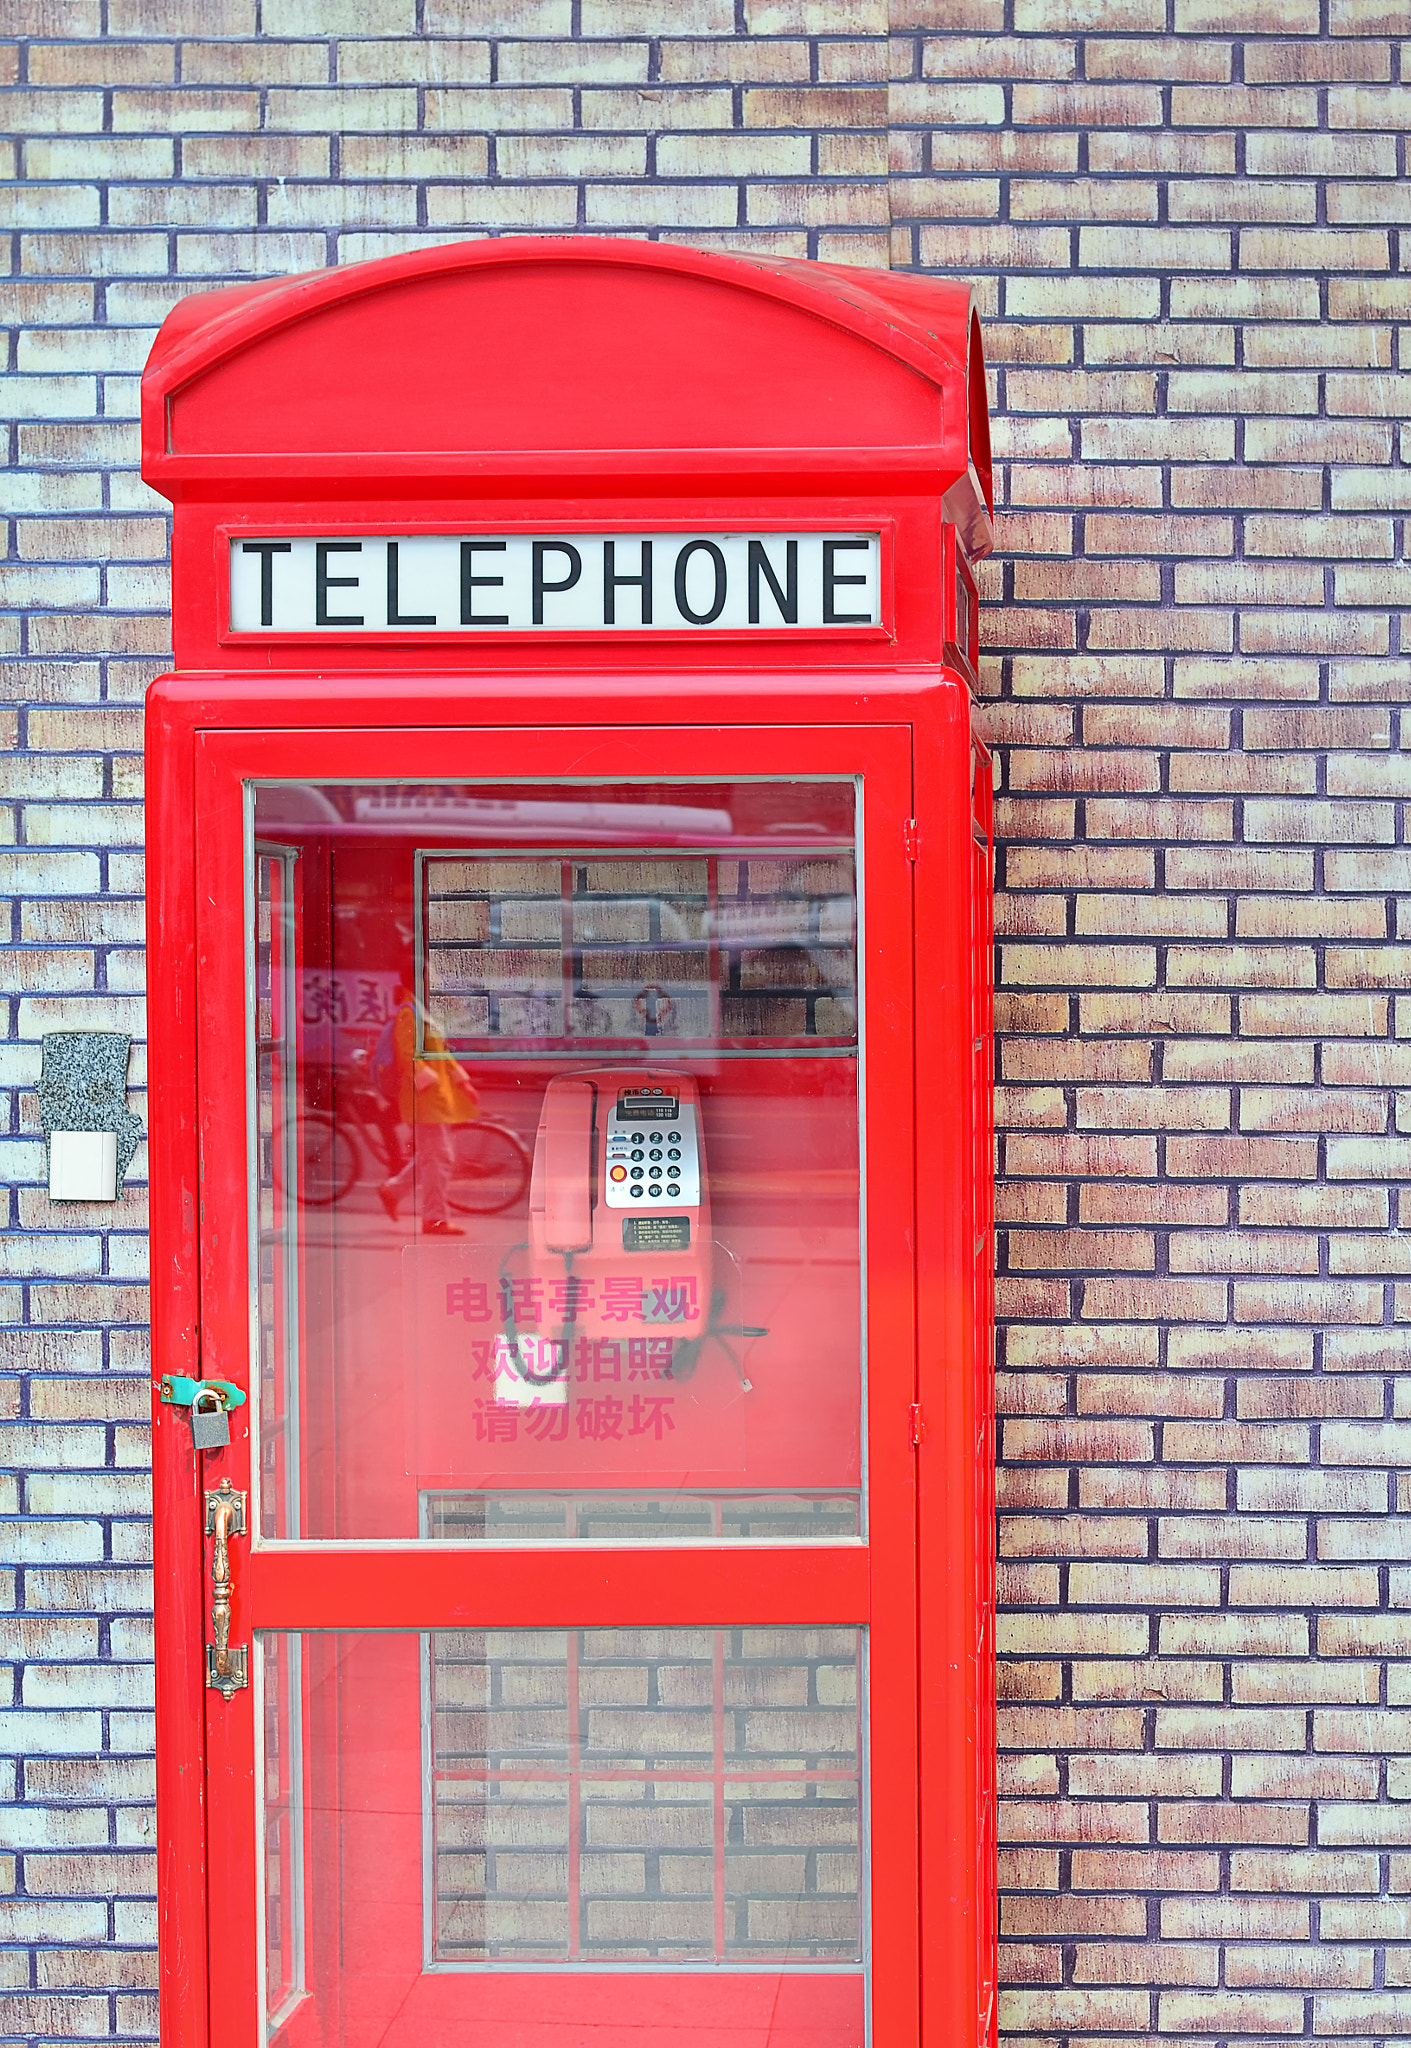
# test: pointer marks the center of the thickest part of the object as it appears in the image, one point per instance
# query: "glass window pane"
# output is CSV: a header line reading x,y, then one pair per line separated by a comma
x,y
556,1182
283,1823
561,1801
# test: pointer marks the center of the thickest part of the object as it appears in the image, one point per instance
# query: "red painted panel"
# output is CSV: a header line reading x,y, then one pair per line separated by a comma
x,y
350,1587
558,356
594,344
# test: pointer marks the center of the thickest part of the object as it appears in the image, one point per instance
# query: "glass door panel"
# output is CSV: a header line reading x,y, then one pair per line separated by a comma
x,y
571,1168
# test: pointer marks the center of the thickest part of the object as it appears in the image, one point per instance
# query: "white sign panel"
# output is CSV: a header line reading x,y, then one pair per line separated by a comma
x,y
432,582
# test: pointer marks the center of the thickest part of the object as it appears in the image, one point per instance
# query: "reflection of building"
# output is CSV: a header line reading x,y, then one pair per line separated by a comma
x,y
750,950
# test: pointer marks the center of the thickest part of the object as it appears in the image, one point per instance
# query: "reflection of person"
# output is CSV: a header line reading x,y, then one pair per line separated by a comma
x,y
433,1092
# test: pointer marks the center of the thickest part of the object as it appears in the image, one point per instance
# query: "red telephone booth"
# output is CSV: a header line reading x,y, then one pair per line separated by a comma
x,y
571,1157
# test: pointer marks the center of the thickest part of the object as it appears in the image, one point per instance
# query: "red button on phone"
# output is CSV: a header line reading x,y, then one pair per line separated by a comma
x,y
617,1173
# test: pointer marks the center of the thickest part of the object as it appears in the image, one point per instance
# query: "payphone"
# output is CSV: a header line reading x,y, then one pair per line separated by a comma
x,y
571,1157
619,1209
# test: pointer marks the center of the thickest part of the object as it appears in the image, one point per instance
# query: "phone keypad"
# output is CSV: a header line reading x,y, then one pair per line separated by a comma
x,y
652,1164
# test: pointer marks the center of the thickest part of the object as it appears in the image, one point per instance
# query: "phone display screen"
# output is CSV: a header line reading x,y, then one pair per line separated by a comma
x,y
637,1106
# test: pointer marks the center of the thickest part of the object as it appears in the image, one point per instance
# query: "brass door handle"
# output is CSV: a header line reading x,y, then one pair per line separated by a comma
x,y
227,1669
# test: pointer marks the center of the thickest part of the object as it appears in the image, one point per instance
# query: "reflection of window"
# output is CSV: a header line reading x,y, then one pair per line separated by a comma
x,y
754,951
646,1796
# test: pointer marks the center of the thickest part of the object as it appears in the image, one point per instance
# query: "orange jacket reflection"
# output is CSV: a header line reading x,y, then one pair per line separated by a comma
x,y
432,1090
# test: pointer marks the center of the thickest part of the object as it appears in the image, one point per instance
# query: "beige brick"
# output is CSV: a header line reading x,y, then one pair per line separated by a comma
x,y
1061,1439
1236,1918
1087,106
1198,1059
1229,2012
1320,1397
1072,1535
1077,1345
1086,1250
1060,1635
1111,1584
1236,868
1183,1109
1240,1157
1233,1821
1337,347
1163,57
993,149
1340,1684
1311,1870
1311,1207
1129,1393
1217,199
181,17
1143,1203
1002,57
1197,485
1224,1536
1037,1915
1364,1635
1132,1487
1145,1963
1027,2010
1153,1869
1159,1300
1161,820
1291,1109
1242,1252
1081,298
1270,917
1365,1350
1302,1301
1164,152
1176,1011
254,64
1241,967
1069,1820
1271,1490
1120,966
1305,1016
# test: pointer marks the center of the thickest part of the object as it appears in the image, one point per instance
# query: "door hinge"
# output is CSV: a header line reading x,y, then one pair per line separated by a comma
x,y
911,838
918,1426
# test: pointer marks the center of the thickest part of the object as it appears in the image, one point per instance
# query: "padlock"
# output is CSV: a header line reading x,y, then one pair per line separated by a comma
x,y
210,1425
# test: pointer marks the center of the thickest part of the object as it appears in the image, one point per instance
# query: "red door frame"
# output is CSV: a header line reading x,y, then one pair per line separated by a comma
x,y
953,1287
354,1587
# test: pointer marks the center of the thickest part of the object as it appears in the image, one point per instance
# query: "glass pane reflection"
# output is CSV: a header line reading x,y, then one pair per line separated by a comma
x,y
556,1171
658,1795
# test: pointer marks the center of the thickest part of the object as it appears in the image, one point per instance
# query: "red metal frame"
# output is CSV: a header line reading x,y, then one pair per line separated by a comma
x,y
751,704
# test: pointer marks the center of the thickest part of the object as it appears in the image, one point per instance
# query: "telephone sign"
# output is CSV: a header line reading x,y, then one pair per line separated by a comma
x,y
447,582
570,876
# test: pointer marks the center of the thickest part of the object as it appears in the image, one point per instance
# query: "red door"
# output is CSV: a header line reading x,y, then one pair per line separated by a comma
x,y
558,1211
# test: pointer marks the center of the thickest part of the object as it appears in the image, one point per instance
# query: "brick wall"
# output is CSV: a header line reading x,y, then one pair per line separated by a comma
x,y
1190,250
1191,254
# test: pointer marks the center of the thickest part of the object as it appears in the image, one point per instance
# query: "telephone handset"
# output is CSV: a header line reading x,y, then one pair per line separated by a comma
x,y
619,1167
566,1131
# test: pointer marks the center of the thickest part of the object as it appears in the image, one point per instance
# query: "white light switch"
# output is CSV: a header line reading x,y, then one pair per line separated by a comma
x,y
83,1166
